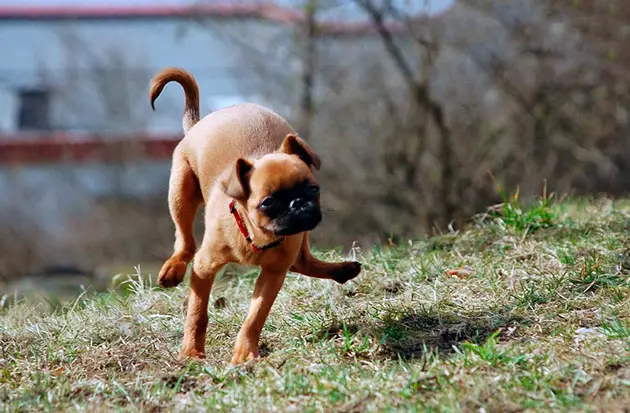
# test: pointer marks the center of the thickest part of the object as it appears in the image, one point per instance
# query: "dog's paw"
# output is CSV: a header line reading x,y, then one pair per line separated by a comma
x,y
191,353
242,356
245,349
345,273
172,273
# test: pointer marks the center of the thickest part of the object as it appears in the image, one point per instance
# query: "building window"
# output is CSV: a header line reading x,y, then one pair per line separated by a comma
x,y
34,109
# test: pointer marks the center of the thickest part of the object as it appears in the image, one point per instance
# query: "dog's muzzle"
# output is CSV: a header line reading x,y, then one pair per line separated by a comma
x,y
303,216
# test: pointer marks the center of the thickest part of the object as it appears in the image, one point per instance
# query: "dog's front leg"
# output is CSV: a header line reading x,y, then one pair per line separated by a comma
x,y
266,290
310,266
196,324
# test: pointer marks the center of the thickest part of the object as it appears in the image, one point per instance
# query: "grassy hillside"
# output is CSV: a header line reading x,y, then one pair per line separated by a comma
x,y
526,309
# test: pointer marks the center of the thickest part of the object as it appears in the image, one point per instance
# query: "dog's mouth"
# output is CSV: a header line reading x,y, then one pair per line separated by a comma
x,y
305,221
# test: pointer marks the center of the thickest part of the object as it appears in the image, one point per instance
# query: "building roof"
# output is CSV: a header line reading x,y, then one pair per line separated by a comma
x,y
262,11
269,11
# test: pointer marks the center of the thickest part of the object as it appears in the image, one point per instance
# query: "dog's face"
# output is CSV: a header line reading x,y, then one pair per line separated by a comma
x,y
279,190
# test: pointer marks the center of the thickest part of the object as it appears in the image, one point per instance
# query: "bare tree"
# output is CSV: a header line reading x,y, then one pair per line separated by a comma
x,y
430,110
554,81
308,67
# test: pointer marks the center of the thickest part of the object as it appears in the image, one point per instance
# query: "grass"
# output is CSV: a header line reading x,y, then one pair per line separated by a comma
x,y
536,317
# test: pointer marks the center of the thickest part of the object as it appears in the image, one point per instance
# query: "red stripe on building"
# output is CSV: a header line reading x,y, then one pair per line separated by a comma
x,y
92,149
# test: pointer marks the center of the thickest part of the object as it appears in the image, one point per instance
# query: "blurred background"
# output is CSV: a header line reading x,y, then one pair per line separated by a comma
x,y
421,110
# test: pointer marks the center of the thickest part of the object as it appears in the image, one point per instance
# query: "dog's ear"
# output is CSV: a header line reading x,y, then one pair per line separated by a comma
x,y
294,145
236,184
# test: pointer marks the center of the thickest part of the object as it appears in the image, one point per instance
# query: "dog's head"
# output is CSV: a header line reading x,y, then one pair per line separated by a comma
x,y
279,190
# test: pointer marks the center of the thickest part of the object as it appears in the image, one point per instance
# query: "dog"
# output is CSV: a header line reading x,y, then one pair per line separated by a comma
x,y
255,176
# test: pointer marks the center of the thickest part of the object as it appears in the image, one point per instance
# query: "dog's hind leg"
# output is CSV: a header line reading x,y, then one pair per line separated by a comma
x,y
312,267
184,197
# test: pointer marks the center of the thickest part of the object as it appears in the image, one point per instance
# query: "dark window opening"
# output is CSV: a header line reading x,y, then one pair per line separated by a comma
x,y
34,110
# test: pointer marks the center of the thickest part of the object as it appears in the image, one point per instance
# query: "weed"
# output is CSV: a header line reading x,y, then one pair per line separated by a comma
x,y
511,213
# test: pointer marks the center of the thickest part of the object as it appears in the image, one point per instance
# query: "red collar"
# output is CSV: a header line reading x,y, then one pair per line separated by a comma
x,y
243,229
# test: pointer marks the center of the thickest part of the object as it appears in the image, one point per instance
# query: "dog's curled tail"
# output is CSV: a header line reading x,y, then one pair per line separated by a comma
x,y
191,90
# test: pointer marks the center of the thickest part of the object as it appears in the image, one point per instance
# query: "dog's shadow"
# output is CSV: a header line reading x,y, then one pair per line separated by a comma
x,y
414,334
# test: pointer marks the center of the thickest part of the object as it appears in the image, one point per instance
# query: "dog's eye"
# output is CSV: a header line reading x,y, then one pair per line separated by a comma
x,y
312,190
268,202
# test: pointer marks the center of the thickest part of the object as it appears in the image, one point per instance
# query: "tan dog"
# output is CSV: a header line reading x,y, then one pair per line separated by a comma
x,y
254,175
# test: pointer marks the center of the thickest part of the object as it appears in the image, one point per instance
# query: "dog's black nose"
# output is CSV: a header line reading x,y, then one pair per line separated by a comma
x,y
297,203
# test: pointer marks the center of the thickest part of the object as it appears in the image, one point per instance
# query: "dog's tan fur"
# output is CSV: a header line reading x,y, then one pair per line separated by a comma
x,y
243,152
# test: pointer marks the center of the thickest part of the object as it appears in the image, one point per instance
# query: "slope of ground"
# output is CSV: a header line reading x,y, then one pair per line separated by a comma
x,y
527,309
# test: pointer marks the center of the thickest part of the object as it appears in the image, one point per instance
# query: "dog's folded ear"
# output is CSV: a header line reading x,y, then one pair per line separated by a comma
x,y
236,183
294,145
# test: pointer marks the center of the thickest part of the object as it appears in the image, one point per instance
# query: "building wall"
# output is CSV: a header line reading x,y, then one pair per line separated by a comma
x,y
49,193
99,70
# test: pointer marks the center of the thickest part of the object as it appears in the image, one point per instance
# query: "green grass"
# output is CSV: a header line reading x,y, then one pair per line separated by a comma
x,y
540,321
